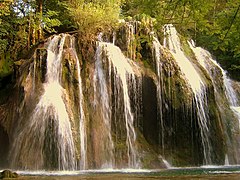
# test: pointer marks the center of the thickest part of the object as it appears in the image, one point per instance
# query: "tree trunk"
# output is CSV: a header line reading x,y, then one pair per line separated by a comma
x,y
40,11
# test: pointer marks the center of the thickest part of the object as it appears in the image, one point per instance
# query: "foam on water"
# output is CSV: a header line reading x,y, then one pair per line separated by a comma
x,y
82,172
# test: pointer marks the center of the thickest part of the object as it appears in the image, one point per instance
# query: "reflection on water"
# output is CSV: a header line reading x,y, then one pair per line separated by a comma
x,y
205,172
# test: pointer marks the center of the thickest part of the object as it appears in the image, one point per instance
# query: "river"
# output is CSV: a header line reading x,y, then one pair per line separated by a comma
x,y
205,172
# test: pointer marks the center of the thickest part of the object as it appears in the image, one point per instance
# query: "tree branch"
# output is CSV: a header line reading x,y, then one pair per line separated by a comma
x,y
234,17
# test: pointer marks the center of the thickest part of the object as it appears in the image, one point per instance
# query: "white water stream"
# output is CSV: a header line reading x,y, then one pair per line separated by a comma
x,y
122,71
196,84
101,93
157,46
204,57
48,122
82,126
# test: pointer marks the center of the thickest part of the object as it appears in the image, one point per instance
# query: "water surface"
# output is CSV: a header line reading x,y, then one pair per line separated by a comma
x,y
208,172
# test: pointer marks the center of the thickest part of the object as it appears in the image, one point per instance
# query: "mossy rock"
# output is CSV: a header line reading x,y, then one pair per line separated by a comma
x,y
6,174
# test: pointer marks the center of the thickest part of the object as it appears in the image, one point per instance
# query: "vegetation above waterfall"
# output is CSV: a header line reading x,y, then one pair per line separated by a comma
x,y
24,23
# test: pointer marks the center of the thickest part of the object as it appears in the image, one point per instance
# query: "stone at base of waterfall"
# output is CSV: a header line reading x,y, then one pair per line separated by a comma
x,y
8,174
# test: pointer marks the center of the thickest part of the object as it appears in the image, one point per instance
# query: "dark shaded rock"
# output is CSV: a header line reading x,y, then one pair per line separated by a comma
x,y
8,174
4,144
150,124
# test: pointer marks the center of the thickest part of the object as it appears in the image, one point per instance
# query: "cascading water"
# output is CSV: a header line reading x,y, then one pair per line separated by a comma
x,y
121,70
206,60
125,113
82,126
197,86
101,95
157,45
114,38
46,139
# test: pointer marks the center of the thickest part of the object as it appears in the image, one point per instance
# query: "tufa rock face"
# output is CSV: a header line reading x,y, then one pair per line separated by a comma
x,y
164,110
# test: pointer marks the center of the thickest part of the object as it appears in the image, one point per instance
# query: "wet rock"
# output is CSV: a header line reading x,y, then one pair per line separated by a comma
x,y
8,174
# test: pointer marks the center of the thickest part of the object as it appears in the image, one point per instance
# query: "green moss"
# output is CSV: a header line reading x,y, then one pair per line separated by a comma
x,y
180,157
148,153
6,66
174,87
120,145
146,64
186,49
190,54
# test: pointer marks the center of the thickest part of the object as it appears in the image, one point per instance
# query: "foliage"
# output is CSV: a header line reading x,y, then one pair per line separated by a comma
x,y
4,10
13,37
21,24
6,66
135,7
57,16
221,36
214,24
50,22
93,16
4,25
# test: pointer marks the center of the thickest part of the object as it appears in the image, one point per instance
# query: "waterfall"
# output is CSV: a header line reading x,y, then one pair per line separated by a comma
x,y
204,57
206,60
101,95
114,37
226,161
82,127
46,139
197,85
167,108
122,72
157,46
